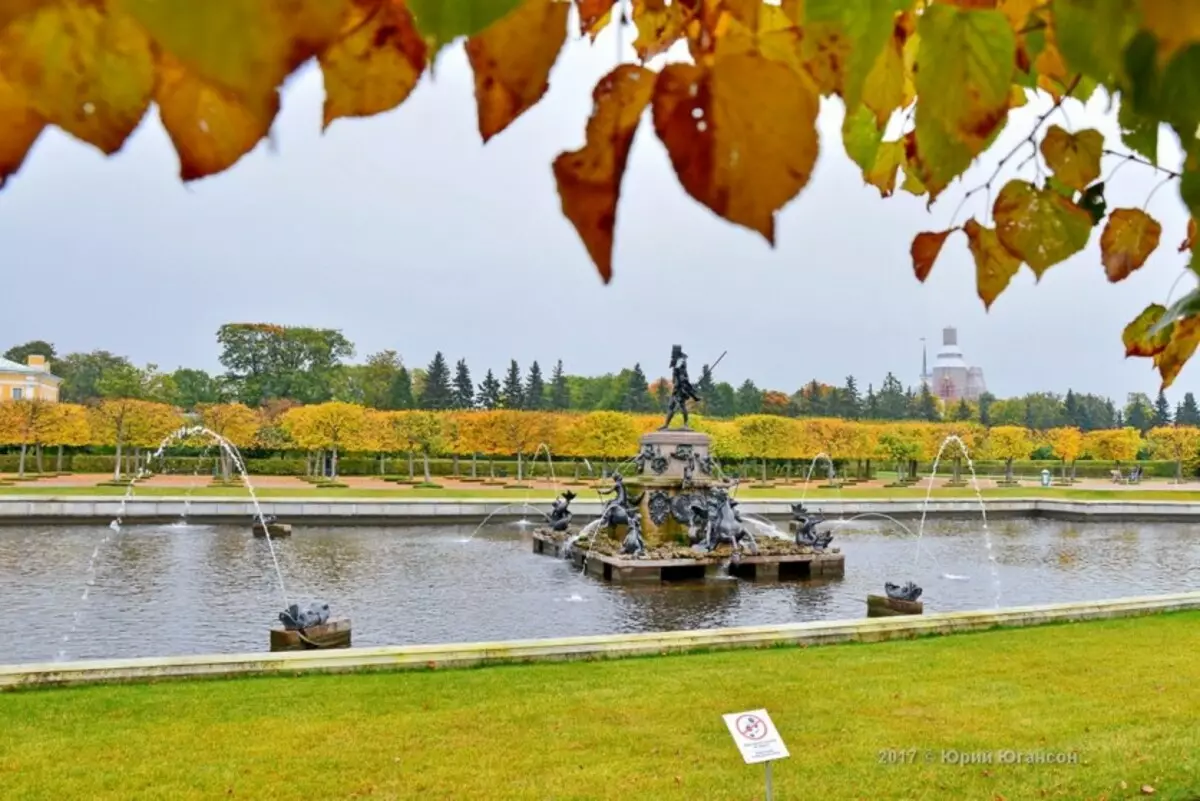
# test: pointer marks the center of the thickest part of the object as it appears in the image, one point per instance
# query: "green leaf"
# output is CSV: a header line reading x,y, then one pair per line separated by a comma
x,y
1187,306
1092,35
1040,227
1059,187
443,21
1148,333
861,136
1139,133
1179,94
964,66
867,25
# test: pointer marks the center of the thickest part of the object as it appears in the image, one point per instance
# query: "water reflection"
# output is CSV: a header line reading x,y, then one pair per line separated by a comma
x,y
178,589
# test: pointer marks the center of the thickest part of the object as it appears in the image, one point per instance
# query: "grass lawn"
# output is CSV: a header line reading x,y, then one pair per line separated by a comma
x,y
1122,694
586,493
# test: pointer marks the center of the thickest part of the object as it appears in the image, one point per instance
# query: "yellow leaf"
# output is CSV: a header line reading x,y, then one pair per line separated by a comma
x,y
1185,335
1017,11
1174,24
210,127
589,179
87,72
717,32
19,129
376,66
883,91
1129,237
1186,244
882,174
11,9
994,266
659,26
1137,337
1016,97
709,120
1038,226
925,249
594,15
247,48
1074,158
512,61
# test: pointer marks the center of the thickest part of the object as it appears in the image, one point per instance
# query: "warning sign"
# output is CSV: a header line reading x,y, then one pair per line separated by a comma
x,y
756,736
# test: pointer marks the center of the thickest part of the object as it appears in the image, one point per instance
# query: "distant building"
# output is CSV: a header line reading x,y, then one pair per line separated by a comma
x,y
951,379
28,381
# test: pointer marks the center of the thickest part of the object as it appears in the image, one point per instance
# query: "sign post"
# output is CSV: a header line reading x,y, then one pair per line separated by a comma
x,y
757,738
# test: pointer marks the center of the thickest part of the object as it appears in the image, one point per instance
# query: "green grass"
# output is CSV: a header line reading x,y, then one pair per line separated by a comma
x,y
1119,693
501,492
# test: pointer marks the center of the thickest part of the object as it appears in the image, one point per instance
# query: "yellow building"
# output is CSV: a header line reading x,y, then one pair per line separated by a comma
x,y
28,381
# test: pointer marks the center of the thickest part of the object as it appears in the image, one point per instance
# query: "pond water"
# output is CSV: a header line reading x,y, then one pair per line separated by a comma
x,y
191,589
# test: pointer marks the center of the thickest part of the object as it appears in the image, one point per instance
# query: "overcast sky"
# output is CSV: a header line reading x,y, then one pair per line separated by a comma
x,y
403,231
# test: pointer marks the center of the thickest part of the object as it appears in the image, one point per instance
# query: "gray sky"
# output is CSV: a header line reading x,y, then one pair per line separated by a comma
x,y
406,233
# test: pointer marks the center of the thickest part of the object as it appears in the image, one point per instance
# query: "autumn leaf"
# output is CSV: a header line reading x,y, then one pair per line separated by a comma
x,y
1074,158
512,61
925,249
659,26
210,127
1175,26
994,265
589,179
766,30
888,85
20,127
1186,244
1185,335
88,72
247,48
593,16
1039,226
846,42
724,157
1139,336
878,160
1129,237
1093,36
376,66
443,21
1138,132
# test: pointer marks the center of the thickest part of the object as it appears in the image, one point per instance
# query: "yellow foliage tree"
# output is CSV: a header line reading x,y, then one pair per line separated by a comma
x,y
419,432
608,435
765,436
335,427
69,428
1113,444
118,422
26,422
1067,444
234,422
1177,443
1007,443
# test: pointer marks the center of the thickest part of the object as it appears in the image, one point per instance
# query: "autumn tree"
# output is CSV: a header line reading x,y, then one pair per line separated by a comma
x,y
765,436
129,421
608,435
335,427
419,432
1113,444
1177,443
1067,444
26,422
234,422
1007,443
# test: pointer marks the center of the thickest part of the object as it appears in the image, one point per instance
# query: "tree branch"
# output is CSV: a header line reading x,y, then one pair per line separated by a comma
x,y
1136,159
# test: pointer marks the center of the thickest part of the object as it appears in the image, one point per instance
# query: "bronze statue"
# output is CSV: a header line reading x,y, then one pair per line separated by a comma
x,y
681,388
909,592
560,512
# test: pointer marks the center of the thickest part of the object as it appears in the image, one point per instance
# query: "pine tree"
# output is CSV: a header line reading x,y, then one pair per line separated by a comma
x,y
1071,408
850,404
1136,417
706,389
637,392
400,392
912,405
464,390
963,412
817,405
560,391
535,388
1188,414
436,393
927,408
1162,410
892,403
748,399
871,406
985,408
512,395
489,392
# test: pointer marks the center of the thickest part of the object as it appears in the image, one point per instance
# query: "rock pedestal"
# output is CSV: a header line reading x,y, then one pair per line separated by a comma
x,y
883,606
677,469
332,634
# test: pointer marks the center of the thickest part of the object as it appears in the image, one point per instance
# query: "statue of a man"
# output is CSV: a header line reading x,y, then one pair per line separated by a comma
x,y
681,387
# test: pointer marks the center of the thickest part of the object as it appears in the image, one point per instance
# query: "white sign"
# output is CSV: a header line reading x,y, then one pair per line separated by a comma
x,y
756,736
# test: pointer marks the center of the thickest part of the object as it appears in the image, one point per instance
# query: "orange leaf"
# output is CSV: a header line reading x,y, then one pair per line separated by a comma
x,y
593,16
1185,336
589,179
1129,237
1074,158
1137,338
376,66
994,266
1186,244
19,129
88,72
209,126
659,26
710,121
512,59
925,249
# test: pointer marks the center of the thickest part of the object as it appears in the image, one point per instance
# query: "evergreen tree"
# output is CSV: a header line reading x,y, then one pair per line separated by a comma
x,y
927,408
748,399
1071,408
849,403
963,412
705,386
1029,421
1112,416
723,400
1162,410
560,392
891,401
1137,416
489,392
400,392
985,408
512,395
1188,414
637,392
535,388
912,405
436,394
871,406
817,405
1119,420
464,390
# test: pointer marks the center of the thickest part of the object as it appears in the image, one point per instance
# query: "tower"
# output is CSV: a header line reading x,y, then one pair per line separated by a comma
x,y
925,377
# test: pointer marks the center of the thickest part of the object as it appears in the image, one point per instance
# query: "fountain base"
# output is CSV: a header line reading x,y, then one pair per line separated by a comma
x,y
883,606
276,530
619,569
332,634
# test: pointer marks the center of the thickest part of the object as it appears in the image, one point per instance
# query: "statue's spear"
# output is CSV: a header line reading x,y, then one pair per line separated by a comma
x,y
718,361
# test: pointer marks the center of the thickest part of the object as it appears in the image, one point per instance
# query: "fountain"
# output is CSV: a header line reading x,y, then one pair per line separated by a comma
x,y
675,517
897,600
